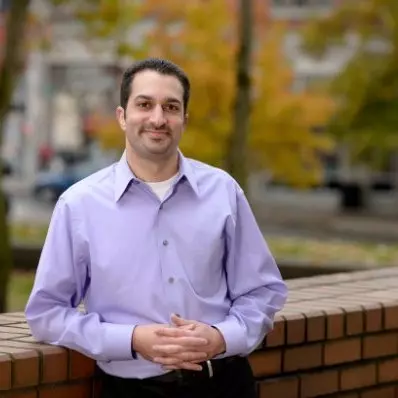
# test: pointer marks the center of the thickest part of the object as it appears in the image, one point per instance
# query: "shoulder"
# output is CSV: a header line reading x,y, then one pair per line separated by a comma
x,y
96,186
206,174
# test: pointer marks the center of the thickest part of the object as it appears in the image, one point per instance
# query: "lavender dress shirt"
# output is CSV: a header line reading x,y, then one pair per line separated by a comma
x,y
133,259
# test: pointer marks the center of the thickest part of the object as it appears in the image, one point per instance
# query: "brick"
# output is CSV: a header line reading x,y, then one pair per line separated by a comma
x,y
287,388
354,320
77,390
373,317
390,316
7,320
317,384
19,315
387,371
316,326
9,336
295,328
80,366
29,339
341,351
55,365
380,345
305,357
23,326
381,392
277,336
25,366
266,363
14,329
334,323
5,372
54,360
358,377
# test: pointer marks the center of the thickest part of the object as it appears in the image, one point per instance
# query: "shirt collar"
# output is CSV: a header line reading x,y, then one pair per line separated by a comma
x,y
124,176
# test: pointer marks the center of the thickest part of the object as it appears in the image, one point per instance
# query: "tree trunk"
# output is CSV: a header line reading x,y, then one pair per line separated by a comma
x,y
11,64
236,159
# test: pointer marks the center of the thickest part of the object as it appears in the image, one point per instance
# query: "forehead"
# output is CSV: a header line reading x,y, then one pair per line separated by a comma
x,y
156,85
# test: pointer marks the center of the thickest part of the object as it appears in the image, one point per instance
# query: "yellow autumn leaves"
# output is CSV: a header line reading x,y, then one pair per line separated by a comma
x,y
202,39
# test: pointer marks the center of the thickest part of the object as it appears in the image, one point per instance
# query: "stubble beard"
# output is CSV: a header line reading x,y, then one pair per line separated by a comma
x,y
148,148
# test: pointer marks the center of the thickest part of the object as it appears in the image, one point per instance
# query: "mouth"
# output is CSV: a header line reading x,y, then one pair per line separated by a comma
x,y
156,133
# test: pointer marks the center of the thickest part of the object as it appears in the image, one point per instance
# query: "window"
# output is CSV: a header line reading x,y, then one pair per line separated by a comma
x,y
302,3
4,5
300,9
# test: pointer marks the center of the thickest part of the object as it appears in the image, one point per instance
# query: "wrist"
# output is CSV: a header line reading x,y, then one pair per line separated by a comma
x,y
221,344
134,343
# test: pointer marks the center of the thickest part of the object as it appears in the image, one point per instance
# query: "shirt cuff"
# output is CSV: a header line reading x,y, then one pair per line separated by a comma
x,y
234,336
117,341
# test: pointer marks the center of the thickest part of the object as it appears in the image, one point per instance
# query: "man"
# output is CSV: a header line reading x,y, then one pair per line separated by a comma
x,y
176,279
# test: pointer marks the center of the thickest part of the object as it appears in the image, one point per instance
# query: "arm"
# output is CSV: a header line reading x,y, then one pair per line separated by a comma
x,y
254,282
61,282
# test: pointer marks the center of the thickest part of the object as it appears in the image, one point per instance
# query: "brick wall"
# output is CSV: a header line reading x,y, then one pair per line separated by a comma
x,y
336,337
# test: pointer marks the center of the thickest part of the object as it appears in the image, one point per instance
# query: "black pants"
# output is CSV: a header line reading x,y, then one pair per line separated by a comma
x,y
235,380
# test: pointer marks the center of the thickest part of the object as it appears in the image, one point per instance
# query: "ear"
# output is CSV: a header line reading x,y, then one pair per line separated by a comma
x,y
120,116
185,120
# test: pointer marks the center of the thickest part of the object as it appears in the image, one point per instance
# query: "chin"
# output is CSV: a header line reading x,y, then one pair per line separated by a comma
x,y
158,151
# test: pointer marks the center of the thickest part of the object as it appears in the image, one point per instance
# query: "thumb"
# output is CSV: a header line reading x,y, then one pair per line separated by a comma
x,y
178,321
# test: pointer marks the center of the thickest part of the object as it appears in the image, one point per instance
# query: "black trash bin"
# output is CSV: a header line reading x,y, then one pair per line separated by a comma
x,y
352,196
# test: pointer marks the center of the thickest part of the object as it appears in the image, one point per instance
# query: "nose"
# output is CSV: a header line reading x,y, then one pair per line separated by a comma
x,y
157,116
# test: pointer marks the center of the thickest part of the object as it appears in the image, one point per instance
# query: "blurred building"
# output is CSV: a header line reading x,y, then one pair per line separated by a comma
x,y
309,71
74,79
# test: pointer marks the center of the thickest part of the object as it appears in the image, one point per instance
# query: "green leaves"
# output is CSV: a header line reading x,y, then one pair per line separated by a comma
x,y
366,91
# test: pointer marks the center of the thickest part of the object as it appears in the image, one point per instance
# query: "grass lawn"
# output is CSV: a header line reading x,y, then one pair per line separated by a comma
x,y
317,252
309,250
28,234
19,290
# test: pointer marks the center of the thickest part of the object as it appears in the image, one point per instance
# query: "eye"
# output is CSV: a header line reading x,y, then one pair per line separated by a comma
x,y
144,105
172,108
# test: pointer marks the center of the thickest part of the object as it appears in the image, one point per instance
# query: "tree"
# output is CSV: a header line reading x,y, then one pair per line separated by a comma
x,y
11,64
202,37
365,91
236,155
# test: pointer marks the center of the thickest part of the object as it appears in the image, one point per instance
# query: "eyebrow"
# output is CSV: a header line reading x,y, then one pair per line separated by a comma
x,y
149,98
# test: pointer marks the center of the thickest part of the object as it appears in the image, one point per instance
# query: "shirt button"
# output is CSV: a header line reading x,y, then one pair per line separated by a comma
x,y
171,280
165,243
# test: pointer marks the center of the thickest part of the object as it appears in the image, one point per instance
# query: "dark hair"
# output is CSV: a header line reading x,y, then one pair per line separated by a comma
x,y
161,66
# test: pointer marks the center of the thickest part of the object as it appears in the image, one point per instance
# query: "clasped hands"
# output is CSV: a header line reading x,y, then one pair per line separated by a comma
x,y
182,345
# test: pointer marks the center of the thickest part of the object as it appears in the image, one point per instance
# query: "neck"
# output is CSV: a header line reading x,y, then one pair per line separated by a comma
x,y
149,170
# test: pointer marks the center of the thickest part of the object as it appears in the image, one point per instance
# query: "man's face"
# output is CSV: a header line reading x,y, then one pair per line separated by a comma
x,y
154,119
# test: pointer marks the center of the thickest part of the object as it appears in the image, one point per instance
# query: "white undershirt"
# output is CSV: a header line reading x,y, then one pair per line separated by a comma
x,y
161,188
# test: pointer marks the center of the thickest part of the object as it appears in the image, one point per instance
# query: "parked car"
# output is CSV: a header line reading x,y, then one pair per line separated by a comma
x,y
49,185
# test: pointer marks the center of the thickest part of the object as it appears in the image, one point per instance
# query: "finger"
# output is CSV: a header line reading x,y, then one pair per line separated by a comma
x,y
166,361
168,349
175,367
183,365
186,341
179,352
192,356
188,327
170,367
180,333
178,362
178,321
190,366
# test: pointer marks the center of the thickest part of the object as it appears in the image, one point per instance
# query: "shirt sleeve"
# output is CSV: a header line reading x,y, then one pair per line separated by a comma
x,y
255,285
60,284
